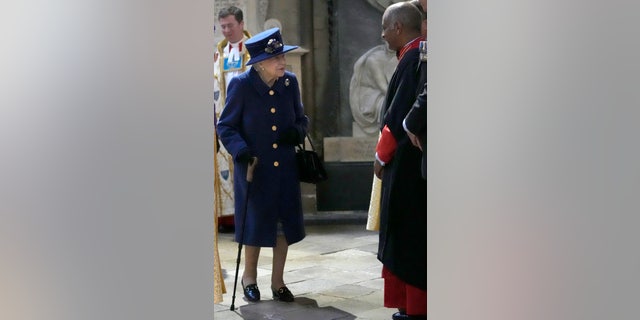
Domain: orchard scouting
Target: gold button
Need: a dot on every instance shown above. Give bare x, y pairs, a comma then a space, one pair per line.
275, 146
270, 92
273, 110
276, 163
274, 128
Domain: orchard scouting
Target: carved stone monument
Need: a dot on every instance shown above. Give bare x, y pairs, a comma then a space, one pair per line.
368, 88
362, 92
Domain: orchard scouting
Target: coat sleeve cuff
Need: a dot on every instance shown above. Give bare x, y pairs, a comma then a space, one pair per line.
404, 125
386, 146
382, 163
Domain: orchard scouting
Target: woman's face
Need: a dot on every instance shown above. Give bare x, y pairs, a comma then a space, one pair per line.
273, 67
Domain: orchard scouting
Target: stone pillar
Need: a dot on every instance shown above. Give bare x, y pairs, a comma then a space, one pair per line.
294, 64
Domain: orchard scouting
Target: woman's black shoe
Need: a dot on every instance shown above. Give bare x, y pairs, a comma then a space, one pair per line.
282, 294
251, 292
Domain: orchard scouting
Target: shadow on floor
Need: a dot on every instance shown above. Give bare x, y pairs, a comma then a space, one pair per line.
301, 308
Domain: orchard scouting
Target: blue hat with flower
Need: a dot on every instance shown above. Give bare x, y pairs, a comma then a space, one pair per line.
265, 45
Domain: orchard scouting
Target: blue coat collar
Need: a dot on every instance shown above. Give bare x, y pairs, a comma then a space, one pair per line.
262, 87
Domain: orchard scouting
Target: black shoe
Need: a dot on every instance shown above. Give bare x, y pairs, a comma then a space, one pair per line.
404, 316
282, 294
399, 316
251, 292
226, 228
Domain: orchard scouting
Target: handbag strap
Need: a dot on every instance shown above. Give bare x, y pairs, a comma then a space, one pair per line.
302, 145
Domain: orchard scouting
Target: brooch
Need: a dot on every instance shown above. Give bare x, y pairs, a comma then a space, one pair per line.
286, 82
273, 46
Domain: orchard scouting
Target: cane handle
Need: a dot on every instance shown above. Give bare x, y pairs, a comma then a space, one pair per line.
251, 167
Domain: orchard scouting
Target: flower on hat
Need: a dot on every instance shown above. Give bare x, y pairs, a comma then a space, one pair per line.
272, 46
265, 45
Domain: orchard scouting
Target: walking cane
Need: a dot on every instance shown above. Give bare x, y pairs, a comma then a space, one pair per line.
250, 168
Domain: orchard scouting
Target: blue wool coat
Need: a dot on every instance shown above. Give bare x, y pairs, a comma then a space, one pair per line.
252, 120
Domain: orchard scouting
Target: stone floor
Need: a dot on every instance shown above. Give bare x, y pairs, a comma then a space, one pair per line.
333, 273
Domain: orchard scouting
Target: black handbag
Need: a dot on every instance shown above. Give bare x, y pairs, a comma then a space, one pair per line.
310, 167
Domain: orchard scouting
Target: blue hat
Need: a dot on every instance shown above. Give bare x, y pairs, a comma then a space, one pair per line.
265, 45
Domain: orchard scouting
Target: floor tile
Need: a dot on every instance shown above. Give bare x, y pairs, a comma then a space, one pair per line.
333, 273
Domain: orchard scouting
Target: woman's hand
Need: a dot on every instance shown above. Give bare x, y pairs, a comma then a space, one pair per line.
289, 136
245, 157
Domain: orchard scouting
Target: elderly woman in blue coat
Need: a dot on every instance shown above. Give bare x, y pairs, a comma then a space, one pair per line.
264, 119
